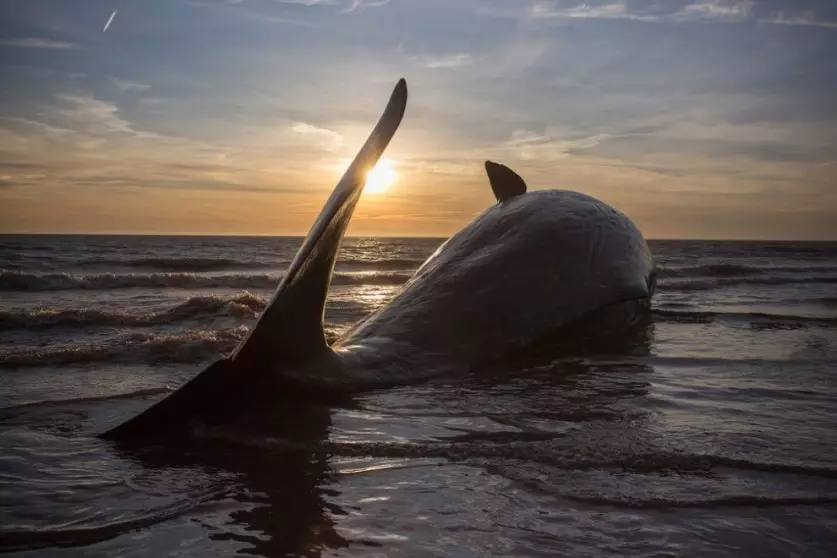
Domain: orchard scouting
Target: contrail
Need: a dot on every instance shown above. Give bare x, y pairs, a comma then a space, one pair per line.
110, 19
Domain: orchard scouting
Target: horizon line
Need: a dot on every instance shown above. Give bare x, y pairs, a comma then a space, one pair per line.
366, 236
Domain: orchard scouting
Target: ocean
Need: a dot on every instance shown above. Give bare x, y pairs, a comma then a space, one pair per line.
713, 434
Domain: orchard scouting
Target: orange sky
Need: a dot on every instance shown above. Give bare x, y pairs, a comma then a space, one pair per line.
714, 119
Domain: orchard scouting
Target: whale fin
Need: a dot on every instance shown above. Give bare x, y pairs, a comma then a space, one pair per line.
290, 329
504, 182
291, 326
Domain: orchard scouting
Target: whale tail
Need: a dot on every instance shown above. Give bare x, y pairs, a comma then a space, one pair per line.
292, 323
289, 331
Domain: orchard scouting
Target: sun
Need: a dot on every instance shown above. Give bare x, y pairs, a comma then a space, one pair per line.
381, 177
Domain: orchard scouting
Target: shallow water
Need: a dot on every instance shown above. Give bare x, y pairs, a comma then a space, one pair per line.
710, 432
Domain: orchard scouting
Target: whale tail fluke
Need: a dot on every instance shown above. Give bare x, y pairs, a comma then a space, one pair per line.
292, 322
289, 331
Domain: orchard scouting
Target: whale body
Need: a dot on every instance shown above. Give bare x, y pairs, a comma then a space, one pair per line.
533, 264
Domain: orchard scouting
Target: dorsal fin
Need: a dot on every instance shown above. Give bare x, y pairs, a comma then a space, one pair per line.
505, 182
291, 327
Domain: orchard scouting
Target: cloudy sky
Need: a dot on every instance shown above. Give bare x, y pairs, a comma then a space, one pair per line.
697, 118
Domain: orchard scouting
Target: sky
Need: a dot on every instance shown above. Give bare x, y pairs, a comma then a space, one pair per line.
696, 118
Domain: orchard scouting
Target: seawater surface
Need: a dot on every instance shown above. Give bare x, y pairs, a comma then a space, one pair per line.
711, 433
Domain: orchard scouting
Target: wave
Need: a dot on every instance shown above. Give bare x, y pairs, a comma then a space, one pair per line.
708, 317
742, 501
225, 264
516, 446
19, 281
818, 248
193, 346
393, 264
147, 392
182, 264
353, 273
729, 270
72, 534
706, 284
246, 304
739, 270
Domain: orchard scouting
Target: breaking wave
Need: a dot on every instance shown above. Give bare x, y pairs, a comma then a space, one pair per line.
245, 304
189, 346
19, 281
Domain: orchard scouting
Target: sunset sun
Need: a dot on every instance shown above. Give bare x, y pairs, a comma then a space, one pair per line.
381, 177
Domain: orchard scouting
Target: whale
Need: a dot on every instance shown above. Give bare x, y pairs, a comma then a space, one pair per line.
532, 266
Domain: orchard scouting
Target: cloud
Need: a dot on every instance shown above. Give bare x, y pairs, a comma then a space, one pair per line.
549, 145
657, 106
445, 61
276, 11
240, 10
84, 142
800, 18
91, 115
360, 5
126, 85
34, 71
37, 42
719, 8
306, 2
697, 10
617, 10
108, 171
329, 140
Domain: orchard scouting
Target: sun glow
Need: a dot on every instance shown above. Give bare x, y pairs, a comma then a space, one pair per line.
381, 177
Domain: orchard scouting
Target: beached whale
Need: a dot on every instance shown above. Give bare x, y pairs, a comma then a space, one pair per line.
532, 265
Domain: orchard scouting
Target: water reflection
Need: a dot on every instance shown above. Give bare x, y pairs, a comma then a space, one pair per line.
519, 444
280, 452
282, 477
